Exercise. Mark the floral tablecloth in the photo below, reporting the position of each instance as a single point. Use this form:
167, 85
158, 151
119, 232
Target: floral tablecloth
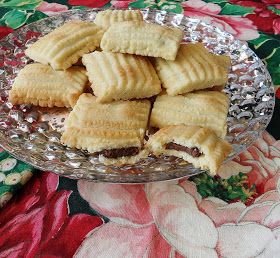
235, 214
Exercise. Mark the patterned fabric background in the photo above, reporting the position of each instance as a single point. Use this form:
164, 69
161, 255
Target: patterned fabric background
199, 217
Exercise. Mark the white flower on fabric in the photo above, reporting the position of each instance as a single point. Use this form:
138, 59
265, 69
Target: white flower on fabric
273, 247
2, 177
25, 176
7, 164
246, 239
172, 218
232, 168
12, 179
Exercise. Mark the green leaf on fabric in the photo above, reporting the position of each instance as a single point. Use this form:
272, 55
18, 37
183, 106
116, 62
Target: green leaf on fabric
19, 4
267, 48
232, 189
230, 9
274, 55
4, 189
76, 203
260, 40
36, 16
4, 155
143, 4
108, 5
22, 166
3, 11
79, 7
172, 7
274, 70
273, 9
14, 18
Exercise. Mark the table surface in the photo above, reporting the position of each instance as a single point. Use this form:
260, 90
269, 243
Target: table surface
235, 214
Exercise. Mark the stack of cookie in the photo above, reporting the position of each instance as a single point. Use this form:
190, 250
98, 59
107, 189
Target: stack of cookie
137, 61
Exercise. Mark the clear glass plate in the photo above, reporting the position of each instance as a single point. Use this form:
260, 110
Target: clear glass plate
32, 134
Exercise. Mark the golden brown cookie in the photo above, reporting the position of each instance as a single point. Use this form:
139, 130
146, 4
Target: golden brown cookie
116, 76
40, 85
193, 69
114, 131
106, 18
202, 108
197, 145
141, 38
65, 45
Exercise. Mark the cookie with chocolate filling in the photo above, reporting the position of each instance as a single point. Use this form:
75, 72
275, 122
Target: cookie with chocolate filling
196, 145
113, 131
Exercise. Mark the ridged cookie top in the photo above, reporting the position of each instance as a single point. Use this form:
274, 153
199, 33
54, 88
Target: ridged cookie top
94, 127
65, 45
116, 76
106, 18
202, 108
141, 38
116, 115
193, 69
39, 84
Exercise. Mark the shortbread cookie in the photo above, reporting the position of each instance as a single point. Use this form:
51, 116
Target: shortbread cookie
197, 145
116, 76
39, 84
202, 108
65, 45
193, 69
114, 131
141, 38
106, 18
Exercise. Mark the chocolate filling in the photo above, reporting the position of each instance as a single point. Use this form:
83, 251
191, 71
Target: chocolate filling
122, 152
191, 151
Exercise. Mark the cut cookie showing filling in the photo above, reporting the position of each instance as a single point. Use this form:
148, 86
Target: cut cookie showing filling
114, 131
194, 151
196, 145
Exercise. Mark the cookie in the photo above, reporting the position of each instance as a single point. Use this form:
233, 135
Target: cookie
65, 45
202, 108
196, 145
193, 69
40, 85
114, 131
141, 38
106, 18
116, 76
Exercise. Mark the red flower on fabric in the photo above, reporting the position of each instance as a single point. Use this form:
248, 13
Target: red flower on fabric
4, 31
262, 17
121, 3
271, 1
276, 26
240, 27
89, 3
37, 223
51, 8
278, 93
